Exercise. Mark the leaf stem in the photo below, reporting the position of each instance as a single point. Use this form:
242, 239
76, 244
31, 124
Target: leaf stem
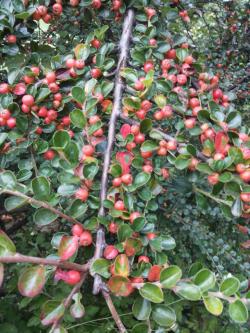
19, 258
209, 195
41, 204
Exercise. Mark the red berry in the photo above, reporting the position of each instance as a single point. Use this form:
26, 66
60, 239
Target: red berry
113, 228
70, 63
213, 179
88, 150
139, 138
82, 194
80, 64
11, 39
171, 54
245, 196
143, 259
11, 122
127, 179
35, 70
154, 273
139, 85
148, 66
77, 230
245, 176
117, 182
95, 43
119, 205
5, 114
57, 9
147, 168
152, 42
42, 10
167, 111
49, 155
181, 79
110, 252
190, 123
50, 77
96, 73
42, 112
151, 235
145, 105
28, 100
72, 277
217, 94
53, 87
96, 4
4, 88
86, 238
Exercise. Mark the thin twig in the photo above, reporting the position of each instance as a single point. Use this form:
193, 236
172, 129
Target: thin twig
113, 311
41, 204
68, 300
118, 91
19, 258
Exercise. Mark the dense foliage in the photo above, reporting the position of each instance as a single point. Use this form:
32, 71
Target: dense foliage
124, 166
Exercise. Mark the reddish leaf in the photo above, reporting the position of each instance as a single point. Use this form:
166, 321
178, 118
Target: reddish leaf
125, 159
246, 245
19, 89
51, 311
132, 246
120, 285
220, 143
31, 281
122, 265
68, 247
1, 273
125, 130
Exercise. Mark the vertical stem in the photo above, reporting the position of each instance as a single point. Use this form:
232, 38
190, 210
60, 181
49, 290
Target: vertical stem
118, 91
114, 313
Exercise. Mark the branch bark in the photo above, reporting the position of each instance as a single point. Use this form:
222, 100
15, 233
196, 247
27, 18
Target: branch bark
68, 300
113, 311
19, 258
41, 204
118, 91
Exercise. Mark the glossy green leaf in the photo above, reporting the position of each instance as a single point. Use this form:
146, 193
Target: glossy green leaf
152, 293
77, 118
41, 187
44, 217
141, 179
101, 267
78, 94
204, 279
61, 139
141, 309
188, 291
149, 145
213, 305
238, 312
164, 315
170, 276
230, 286
12, 203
